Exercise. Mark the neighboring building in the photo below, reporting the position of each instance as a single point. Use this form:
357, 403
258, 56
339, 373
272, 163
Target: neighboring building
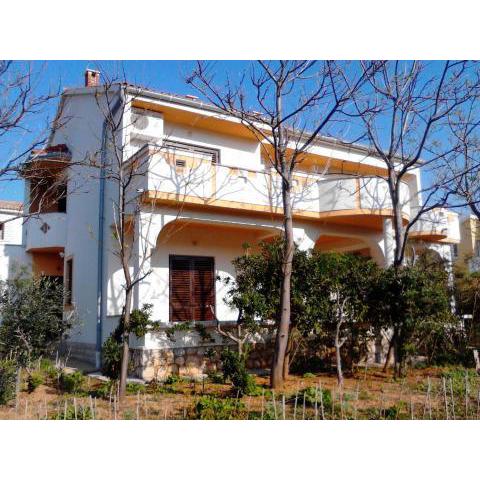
468, 252
12, 251
206, 191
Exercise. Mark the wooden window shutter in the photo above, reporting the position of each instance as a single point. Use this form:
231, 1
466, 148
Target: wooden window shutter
192, 288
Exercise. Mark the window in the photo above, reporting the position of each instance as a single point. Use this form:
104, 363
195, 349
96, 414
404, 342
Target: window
192, 288
68, 281
193, 150
477, 248
2, 231
46, 196
455, 250
62, 199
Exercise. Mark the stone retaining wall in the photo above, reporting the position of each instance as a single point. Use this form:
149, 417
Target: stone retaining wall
191, 361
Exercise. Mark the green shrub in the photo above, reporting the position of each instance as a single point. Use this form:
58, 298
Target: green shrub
33, 324
104, 390
211, 408
312, 395
308, 375
48, 369
111, 358
268, 414
129, 415
8, 381
34, 380
216, 377
460, 378
134, 388
72, 382
173, 380
139, 325
235, 370
391, 413
82, 413
157, 387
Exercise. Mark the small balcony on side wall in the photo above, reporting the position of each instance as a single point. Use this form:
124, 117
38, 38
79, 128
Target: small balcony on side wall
46, 232
46, 181
437, 225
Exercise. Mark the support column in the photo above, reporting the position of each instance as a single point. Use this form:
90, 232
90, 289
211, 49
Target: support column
305, 239
388, 241
147, 230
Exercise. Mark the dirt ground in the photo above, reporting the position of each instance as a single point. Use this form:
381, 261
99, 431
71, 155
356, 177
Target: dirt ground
429, 393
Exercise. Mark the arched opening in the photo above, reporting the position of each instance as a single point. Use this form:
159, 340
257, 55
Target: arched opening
191, 264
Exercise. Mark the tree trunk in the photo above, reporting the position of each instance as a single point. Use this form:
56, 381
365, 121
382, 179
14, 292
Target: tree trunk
286, 365
388, 358
125, 344
281, 340
338, 345
477, 360
398, 358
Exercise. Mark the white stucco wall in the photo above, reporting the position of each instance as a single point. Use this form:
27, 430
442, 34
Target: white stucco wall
82, 134
234, 152
12, 253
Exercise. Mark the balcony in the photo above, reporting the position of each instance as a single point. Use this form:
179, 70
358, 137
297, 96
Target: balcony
437, 225
46, 231
330, 198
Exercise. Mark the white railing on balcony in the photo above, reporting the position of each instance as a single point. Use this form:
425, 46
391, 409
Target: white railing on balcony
437, 223
46, 230
312, 192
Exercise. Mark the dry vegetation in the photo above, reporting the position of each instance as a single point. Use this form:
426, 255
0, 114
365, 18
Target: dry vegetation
427, 393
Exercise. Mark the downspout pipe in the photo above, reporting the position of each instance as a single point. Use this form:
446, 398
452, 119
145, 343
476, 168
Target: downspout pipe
101, 234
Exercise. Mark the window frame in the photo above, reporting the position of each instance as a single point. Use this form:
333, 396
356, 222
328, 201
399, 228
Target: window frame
191, 258
193, 148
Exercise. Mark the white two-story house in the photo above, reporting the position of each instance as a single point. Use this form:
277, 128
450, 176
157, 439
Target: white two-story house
206, 190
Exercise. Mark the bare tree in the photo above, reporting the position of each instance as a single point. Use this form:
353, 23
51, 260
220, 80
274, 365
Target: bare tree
286, 105
462, 170
126, 172
404, 110
23, 103
121, 172
462, 167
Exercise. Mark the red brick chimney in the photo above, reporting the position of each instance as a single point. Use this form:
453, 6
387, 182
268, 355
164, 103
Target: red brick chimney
92, 78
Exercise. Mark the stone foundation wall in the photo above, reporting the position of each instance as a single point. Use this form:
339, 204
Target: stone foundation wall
83, 352
191, 362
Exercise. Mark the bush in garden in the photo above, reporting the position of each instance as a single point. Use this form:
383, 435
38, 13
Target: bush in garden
140, 324
415, 303
72, 413
34, 380
235, 370
211, 408
104, 390
49, 370
312, 395
111, 358
135, 388
33, 323
320, 282
8, 381
72, 382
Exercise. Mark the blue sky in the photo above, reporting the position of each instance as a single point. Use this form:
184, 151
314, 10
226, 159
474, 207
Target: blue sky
165, 75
